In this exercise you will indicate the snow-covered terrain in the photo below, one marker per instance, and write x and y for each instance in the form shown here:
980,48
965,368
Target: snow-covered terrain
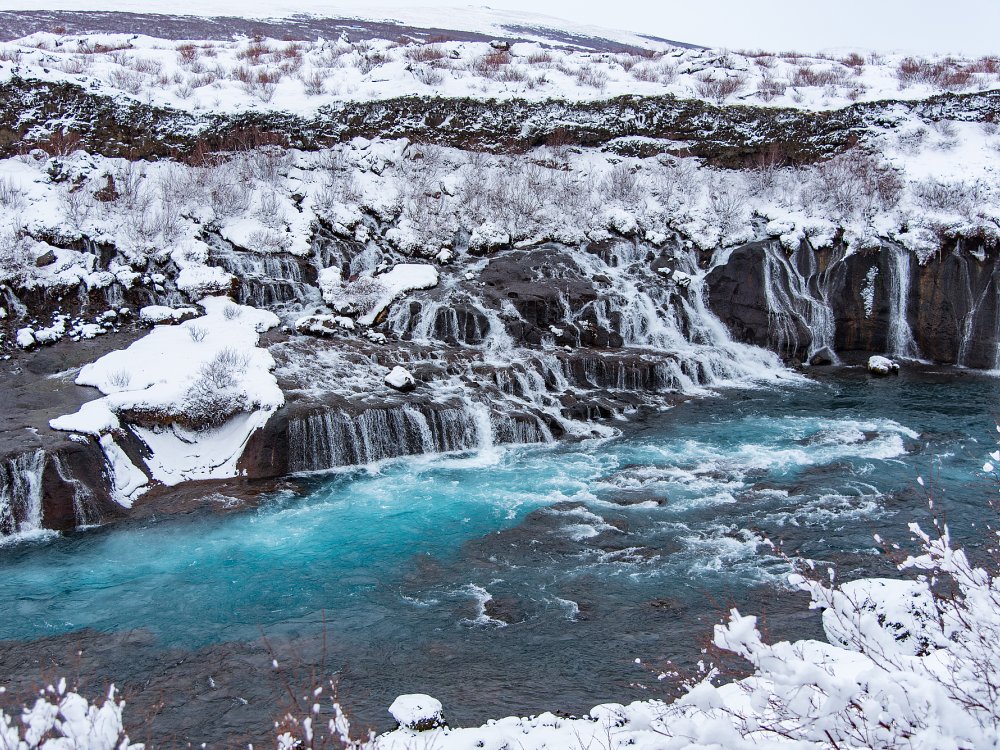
411,259
300,76
194,393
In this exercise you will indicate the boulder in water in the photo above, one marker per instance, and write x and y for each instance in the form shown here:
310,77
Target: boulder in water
417,712
882,366
401,379
823,357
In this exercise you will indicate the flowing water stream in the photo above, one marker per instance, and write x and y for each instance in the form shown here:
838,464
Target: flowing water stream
530,578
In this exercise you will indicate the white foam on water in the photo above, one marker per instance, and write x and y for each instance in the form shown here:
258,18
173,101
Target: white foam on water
30,536
482,597
571,608
737,552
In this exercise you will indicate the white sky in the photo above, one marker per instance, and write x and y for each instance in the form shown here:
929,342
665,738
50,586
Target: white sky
961,26
970,26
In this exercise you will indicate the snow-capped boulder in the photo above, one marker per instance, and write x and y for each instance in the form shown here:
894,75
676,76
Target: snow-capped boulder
882,366
323,325
160,314
417,712
488,237
400,379
25,338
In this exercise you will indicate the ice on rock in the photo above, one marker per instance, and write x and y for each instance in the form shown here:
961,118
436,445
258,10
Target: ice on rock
882,366
400,379
417,712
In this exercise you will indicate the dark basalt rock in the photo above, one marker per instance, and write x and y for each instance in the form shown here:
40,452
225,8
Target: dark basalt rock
823,357
504,609
952,302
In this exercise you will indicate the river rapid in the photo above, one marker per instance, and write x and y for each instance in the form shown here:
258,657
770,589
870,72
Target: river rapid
523,579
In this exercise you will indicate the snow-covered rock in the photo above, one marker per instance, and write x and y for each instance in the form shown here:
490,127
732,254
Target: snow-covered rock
882,366
402,278
400,379
487,237
323,325
194,393
25,338
158,314
417,712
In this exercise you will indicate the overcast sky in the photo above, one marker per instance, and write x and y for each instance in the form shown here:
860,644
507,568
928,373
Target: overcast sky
965,26
969,26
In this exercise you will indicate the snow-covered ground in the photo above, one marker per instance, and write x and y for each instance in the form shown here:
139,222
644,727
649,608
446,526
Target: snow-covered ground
193,393
255,74
480,20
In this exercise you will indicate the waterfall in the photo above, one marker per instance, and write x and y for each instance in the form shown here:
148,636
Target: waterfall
333,438
901,342
797,301
84,502
264,280
649,312
452,320
21,493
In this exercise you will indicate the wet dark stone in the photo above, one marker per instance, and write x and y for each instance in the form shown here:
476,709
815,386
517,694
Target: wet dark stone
823,357
952,306
505,609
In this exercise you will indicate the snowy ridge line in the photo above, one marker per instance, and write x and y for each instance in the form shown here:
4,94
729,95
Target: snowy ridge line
364,22
257,73
469,18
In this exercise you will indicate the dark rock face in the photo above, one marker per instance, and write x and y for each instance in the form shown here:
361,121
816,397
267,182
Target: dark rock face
47,479
736,295
58,489
949,304
726,136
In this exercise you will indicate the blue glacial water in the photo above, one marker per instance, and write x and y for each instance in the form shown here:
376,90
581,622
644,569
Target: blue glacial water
531,578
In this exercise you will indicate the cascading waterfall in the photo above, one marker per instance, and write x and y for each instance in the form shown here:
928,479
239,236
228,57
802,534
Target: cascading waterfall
450,320
329,439
969,320
659,316
794,302
84,503
901,342
21,493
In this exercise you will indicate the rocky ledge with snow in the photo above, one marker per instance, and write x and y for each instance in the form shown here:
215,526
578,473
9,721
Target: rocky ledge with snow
577,270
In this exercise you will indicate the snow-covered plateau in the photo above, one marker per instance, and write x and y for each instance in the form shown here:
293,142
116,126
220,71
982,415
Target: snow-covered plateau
235,257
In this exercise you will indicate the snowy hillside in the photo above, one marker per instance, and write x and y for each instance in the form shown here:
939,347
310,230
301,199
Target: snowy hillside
247,74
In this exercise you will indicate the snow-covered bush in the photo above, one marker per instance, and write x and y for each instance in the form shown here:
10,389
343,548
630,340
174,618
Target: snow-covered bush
304,728
916,665
718,87
216,394
60,719
856,184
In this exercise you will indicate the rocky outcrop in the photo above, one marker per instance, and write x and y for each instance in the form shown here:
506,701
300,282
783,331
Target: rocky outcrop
732,136
880,300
